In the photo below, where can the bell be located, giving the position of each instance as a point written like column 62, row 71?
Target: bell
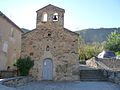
column 55, row 17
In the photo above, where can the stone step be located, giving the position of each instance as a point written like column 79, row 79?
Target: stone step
column 92, row 75
column 93, row 79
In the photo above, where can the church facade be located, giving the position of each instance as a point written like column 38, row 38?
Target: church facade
column 53, row 48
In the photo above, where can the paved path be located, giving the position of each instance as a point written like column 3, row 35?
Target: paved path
column 65, row 86
column 2, row 87
column 70, row 86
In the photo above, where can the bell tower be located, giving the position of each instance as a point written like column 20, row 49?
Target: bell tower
column 50, row 16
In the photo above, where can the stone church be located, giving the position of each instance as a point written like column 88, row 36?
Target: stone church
column 53, row 48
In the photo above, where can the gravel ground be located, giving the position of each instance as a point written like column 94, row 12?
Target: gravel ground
column 65, row 86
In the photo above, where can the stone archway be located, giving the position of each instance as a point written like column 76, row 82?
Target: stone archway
column 47, row 69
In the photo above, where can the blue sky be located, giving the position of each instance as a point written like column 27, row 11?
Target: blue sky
column 79, row 14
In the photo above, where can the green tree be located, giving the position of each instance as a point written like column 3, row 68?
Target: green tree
column 113, row 42
column 24, row 65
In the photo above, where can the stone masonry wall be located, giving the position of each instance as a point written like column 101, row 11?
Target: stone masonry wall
column 110, row 67
column 51, row 40
column 62, row 48
column 112, row 64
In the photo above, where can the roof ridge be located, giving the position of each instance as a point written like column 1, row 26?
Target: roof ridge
column 50, row 5
column 71, row 31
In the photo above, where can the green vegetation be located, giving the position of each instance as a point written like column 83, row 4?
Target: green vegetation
column 24, row 65
column 87, row 51
column 113, row 42
column 93, row 41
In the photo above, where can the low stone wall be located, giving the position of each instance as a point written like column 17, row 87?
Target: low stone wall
column 106, row 63
column 110, row 67
column 112, row 76
column 111, row 63
column 8, row 73
column 17, row 81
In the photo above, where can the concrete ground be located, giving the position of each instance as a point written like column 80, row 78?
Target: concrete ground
column 2, row 87
column 65, row 86
column 70, row 86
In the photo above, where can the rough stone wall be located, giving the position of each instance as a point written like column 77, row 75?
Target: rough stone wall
column 106, row 63
column 62, row 50
column 51, row 40
column 113, row 76
column 111, row 63
column 110, row 68
column 50, row 10
column 17, row 81
column 8, row 73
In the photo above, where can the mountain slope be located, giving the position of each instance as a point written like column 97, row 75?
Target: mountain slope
column 96, row 35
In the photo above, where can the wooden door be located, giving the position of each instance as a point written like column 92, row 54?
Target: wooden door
column 48, row 69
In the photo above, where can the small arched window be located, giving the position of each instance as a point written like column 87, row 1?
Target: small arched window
column 44, row 17
column 55, row 17
column 47, row 48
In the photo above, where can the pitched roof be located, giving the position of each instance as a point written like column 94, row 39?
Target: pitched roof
column 4, row 16
column 52, row 6
column 65, row 29
column 29, row 32
column 25, row 30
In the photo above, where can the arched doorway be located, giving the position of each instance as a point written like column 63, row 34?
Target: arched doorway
column 47, row 69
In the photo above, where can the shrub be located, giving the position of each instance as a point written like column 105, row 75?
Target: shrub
column 87, row 51
column 113, row 42
column 24, row 65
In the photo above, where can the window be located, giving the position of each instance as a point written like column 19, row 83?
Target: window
column 5, row 47
column 12, row 32
column 49, row 34
column 44, row 17
column 55, row 17
column 31, row 54
column 47, row 48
